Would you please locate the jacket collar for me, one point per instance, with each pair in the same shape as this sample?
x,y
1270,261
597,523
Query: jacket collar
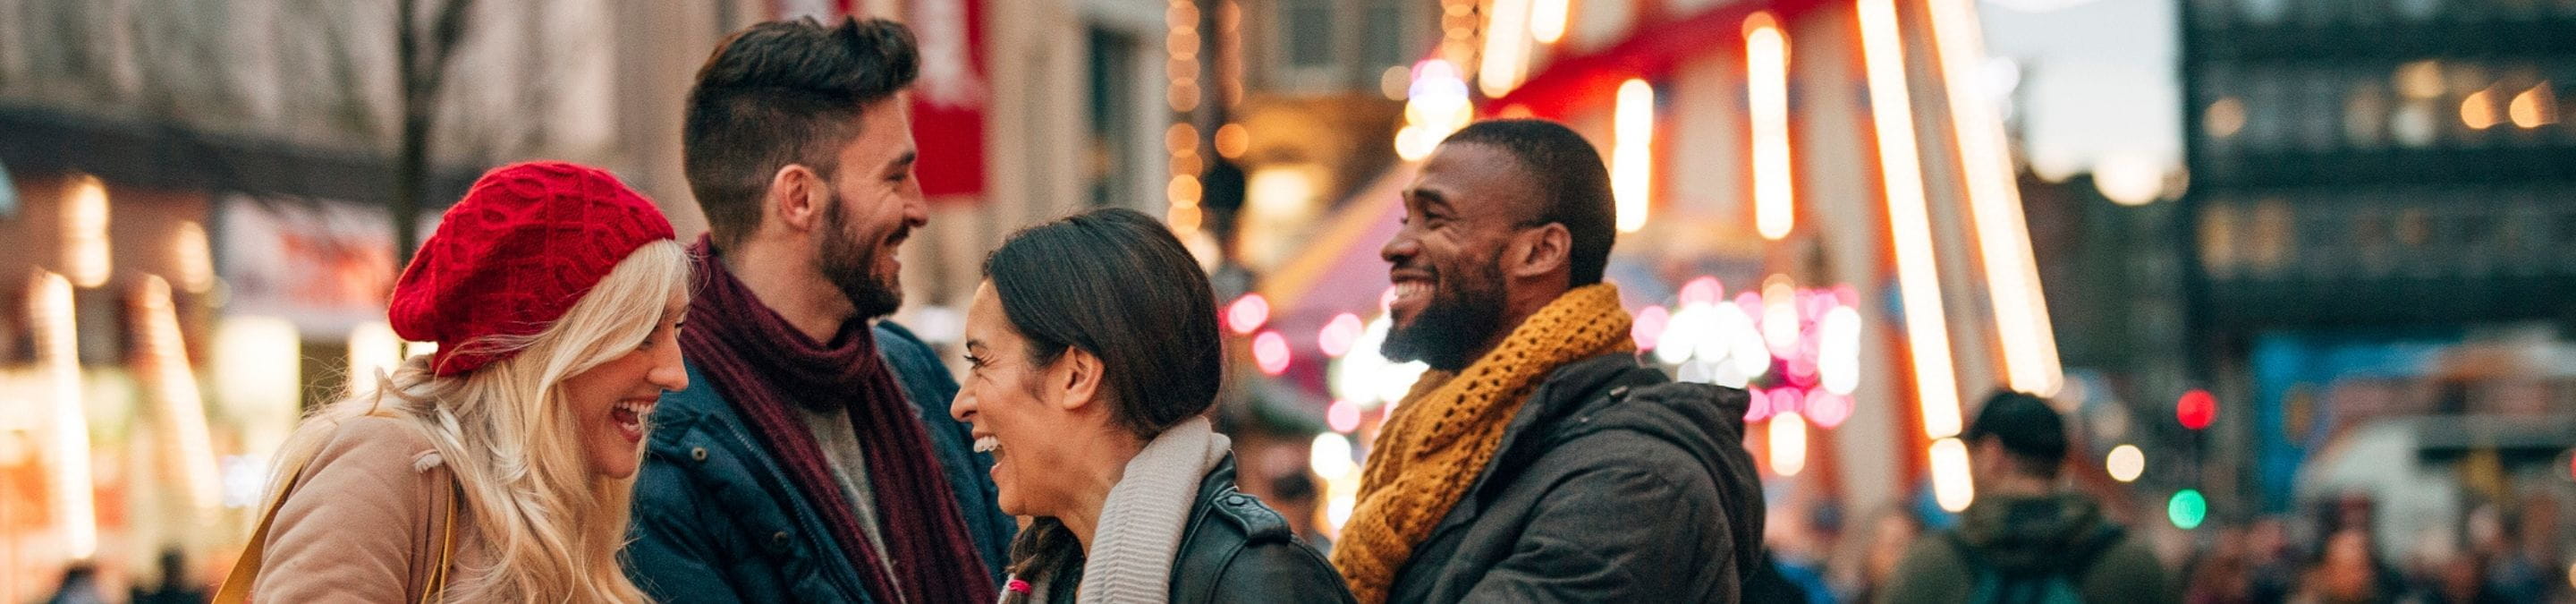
x,y
1568,393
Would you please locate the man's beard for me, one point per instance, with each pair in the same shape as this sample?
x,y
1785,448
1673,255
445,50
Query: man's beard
x,y
1465,312
851,266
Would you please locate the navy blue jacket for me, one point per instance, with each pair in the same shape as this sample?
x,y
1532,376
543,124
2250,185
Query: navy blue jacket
x,y
718,520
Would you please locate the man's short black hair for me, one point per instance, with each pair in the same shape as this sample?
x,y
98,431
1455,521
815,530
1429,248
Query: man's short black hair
x,y
779,93
2030,430
1571,183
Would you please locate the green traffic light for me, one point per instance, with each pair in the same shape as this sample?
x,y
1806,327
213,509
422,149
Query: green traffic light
x,y
2187,509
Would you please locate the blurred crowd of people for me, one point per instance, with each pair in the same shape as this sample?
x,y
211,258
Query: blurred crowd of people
x,y
2329,551
2506,552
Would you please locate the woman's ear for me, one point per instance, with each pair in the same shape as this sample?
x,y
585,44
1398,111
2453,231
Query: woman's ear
x,y
1076,377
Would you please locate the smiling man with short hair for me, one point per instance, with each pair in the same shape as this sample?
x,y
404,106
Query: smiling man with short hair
x,y
1538,460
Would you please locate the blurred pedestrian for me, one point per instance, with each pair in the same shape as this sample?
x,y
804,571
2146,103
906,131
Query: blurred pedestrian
x,y
79,586
1096,357
1299,501
1537,438
498,468
1864,564
177,586
820,464
2345,572
2273,569
2026,538
2222,575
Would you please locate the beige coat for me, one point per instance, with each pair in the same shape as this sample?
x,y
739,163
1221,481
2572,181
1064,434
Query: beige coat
x,y
365,521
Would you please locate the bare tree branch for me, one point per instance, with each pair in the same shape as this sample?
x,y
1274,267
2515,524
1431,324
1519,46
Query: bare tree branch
x,y
422,77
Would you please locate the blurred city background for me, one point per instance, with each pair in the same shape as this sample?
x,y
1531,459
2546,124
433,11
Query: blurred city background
x,y
2302,273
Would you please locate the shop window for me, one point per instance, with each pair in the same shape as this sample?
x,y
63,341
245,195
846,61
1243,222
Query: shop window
x,y
1306,31
2365,114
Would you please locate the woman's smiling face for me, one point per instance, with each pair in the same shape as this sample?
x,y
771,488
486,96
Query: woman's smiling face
x,y
1015,416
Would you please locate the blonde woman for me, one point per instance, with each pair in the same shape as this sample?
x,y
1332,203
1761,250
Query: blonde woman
x,y
497,469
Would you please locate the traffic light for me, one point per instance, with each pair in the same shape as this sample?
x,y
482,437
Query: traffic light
x,y
2187,509
2196,409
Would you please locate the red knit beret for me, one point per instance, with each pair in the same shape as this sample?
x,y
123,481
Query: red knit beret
x,y
526,242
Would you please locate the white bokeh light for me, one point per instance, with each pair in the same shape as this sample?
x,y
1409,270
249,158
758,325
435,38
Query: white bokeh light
x,y
1747,350
1838,350
2126,462
1367,379
1331,456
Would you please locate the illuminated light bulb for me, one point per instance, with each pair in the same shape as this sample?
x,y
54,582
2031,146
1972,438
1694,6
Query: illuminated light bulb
x,y
1766,59
1703,290
1338,512
1683,333
2125,463
182,406
84,233
1648,327
2534,108
1788,443
1748,352
1342,416
1247,313
1779,315
1395,380
1827,409
1788,400
1632,155
1412,143
50,307
1506,56
193,256
1270,352
1339,334
1838,350
1331,456
1909,229
374,351
1547,20
2478,110
1950,481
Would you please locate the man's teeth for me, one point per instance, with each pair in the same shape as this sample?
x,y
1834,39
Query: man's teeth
x,y
987,444
1411,288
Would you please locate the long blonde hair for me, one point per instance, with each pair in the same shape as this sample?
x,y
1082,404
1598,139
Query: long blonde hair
x,y
552,528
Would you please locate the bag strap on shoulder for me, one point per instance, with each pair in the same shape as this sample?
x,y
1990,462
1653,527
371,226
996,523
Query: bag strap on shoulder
x,y
236,586
245,572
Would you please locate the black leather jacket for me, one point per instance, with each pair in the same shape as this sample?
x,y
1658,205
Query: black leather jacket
x,y
1238,550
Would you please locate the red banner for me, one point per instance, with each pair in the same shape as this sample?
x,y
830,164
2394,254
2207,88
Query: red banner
x,y
948,101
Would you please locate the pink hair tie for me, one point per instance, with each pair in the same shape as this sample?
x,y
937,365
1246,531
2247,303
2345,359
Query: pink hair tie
x,y
1017,586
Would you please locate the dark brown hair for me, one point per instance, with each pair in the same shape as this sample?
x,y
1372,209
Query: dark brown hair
x,y
780,93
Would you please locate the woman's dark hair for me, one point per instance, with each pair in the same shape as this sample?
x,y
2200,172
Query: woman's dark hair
x,y
1117,284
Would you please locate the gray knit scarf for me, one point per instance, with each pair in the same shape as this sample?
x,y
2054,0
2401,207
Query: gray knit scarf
x,y
1139,534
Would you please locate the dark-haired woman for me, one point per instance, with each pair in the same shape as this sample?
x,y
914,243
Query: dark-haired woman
x,y
1095,356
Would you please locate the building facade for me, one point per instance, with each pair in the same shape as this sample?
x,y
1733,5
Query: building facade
x,y
2381,226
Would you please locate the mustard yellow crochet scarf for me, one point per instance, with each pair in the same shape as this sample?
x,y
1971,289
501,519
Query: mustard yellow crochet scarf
x,y
1440,436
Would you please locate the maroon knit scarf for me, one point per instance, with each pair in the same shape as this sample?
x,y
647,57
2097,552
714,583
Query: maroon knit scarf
x,y
763,365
